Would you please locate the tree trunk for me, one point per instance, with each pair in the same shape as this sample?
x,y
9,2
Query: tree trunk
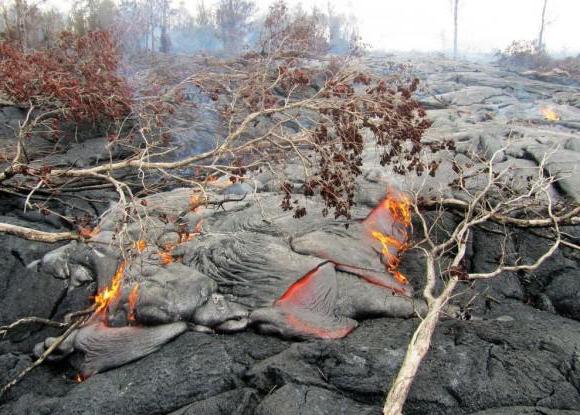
x,y
542,24
455,10
416,352
20,23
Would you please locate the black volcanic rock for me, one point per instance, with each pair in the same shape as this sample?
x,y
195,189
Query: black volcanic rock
x,y
519,353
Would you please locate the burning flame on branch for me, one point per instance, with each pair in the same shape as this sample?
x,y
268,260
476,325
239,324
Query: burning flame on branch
x,y
113,291
108,294
398,206
166,256
549,114
140,245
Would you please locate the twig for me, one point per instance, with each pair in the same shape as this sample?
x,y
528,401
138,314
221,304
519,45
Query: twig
x,y
31,320
42,358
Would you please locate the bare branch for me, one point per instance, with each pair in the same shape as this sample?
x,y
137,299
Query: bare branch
x,y
36,235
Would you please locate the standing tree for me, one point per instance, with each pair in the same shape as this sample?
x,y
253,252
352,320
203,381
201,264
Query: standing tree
x,y
233,21
542,25
164,40
455,26
20,8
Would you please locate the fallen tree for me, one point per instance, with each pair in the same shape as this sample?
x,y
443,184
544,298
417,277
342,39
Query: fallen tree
x,y
488,197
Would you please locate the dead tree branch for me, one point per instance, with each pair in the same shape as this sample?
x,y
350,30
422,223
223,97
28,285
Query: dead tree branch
x,y
477,210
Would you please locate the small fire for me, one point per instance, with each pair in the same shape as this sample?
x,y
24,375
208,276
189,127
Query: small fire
x,y
186,236
166,256
133,297
140,245
104,298
549,114
398,206
79,378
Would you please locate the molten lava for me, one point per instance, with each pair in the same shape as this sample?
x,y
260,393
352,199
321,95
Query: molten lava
x,y
394,210
549,114
110,293
132,300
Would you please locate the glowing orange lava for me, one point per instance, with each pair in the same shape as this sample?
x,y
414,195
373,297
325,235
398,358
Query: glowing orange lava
x,y
549,114
133,297
108,294
398,207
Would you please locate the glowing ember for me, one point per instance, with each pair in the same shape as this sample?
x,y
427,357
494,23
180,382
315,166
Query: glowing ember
x,y
398,207
133,297
140,245
185,237
79,378
549,114
165,256
88,233
104,298
196,201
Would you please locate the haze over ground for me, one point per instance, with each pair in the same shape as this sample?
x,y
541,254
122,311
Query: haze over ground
x,y
484,25
426,25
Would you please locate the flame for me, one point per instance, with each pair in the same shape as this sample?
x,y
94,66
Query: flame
x,y
398,206
549,114
187,236
104,298
140,245
133,297
79,378
166,256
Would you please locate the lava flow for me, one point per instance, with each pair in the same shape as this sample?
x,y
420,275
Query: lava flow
x,y
394,210
549,114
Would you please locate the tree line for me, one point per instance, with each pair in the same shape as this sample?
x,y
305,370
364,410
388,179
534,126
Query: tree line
x,y
161,26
